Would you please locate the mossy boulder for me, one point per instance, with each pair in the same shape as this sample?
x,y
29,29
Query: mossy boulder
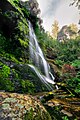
x,y
14,27
21,107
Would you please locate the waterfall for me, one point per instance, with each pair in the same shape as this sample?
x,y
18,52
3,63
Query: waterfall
x,y
39,64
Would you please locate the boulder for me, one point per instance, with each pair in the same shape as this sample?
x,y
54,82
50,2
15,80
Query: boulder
x,y
15,106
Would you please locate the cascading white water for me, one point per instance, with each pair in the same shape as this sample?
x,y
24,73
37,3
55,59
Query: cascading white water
x,y
38,60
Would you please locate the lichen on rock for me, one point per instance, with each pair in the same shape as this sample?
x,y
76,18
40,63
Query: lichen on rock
x,y
15,106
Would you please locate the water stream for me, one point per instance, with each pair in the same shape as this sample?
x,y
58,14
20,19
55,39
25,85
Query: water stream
x,y
39,64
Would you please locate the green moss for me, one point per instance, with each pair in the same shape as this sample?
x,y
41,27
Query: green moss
x,y
5,82
23,26
15,3
38,114
23,43
8,100
9,57
27,86
76,63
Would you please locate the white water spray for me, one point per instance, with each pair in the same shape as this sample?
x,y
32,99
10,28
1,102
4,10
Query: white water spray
x,y
38,60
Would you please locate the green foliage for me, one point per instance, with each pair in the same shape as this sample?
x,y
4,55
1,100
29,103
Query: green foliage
x,y
29,115
38,114
5,82
23,43
5,71
25,11
11,15
15,4
6,48
11,80
27,86
23,26
74,83
76,63
65,118
2,42
67,53
15,41
59,62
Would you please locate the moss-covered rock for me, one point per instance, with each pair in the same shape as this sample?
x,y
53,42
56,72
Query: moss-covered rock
x,y
21,107
14,48
14,27
14,34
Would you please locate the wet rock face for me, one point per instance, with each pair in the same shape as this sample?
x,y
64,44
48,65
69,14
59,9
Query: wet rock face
x,y
15,106
6,24
5,5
